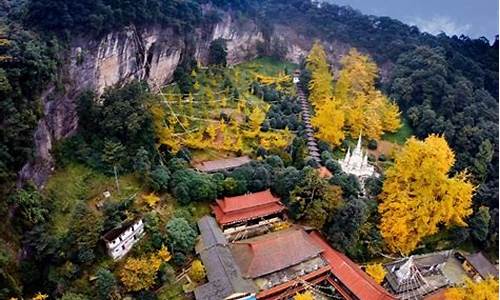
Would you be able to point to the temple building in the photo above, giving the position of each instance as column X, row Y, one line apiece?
column 248, row 214
column 278, row 265
column 226, row 164
column 356, row 163
column 425, row 276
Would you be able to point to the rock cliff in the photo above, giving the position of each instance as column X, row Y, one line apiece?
column 150, row 54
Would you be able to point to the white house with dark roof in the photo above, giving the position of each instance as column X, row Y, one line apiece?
column 120, row 240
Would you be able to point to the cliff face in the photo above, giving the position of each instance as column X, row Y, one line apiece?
column 150, row 54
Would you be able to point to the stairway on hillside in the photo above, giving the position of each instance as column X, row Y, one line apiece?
column 312, row 143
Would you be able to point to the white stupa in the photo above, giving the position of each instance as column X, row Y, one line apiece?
column 357, row 162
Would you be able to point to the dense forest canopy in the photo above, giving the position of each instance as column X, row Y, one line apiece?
column 442, row 85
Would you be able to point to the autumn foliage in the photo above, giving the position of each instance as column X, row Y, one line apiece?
column 197, row 271
column 418, row 195
column 376, row 271
column 304, row 296
column 140, row 273
column 354, row 106
column 482, row 290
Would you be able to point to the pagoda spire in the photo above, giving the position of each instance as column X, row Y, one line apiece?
column 358, row 146
column 348, row 155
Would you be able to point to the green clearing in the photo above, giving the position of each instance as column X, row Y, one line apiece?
column 268, row 66
column 399, row 137
column 75, row 183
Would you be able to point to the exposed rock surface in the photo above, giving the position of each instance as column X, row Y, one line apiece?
column 150, row 54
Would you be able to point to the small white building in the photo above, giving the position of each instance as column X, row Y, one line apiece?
column 120, row 240
column 356, row 163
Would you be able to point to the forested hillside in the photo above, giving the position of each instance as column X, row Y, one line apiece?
column 137, row 140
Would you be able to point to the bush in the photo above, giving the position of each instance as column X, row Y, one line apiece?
column 333, row 166
column 105, row 284
column 197, row 271
column 372, row 145
column 181, row 193
column 325, row 156
column 176, row 164
column 312, row 162
column 181, row 235
column 274, row 161
column 158, row 179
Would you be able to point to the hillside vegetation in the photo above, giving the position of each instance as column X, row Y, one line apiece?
column 430, row 122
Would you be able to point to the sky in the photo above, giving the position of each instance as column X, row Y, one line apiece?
column 474, row 18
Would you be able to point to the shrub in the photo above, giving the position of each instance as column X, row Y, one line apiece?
column 158, row 179
column 372, row 145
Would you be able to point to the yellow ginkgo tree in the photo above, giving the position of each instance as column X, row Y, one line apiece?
column 418, row 196
column 376, row 271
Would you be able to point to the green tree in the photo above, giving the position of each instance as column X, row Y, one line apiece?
column 181, row 235
column 343, row 232
column 114, row 155
column 105, row 284
column 479, row 223
column 158, row 179
column 142, row 162
column 85, row 232
column 217, row 52
column 482, row 160
column 30, row 206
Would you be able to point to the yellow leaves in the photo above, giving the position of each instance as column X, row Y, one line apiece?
column 359, row 107
column 256, row 118
column 276, row 139
column 151, row 200
column 40, row 296
column 329, row 121
column 140, row 273
column 164, row 254
column 320, row 86
column 367, row 109
column 482, row 290
column 418, row 196
column 212, row 131
column 307, row 295
column 376, row 271
column 197, row 271
column 269, row 80
column 391, row 117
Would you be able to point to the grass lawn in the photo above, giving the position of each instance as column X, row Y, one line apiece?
column 400, row 136
column 172, row 292
column 268, row 66
column 75, row 183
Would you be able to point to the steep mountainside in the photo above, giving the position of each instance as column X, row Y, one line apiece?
column 150, row 53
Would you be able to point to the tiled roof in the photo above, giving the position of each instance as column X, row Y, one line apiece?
column 357, row 281
column 273, row 252
column 482, row 265
column 222, row 164
column 231, row 204
column 246, row 207
column 223, row 274
column 116, row 232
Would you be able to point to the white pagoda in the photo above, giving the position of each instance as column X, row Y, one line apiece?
column 356, row 163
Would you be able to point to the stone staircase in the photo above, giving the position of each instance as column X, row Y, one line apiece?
column 312, row 143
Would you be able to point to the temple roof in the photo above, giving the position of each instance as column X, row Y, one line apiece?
column 357, row 281
column 482, row 265
column 246, row 207
column 223, row 274
column 222, row 164
column 273, row 252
